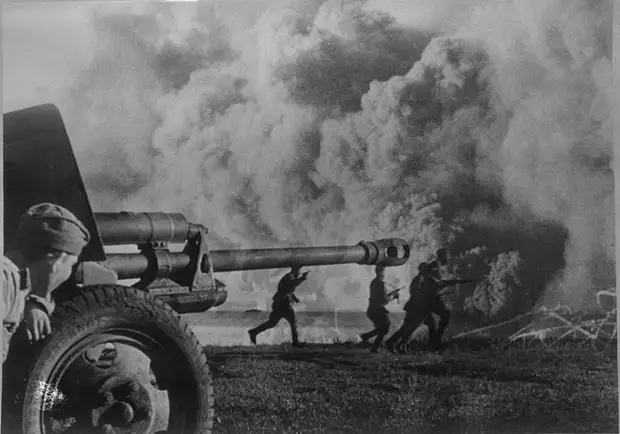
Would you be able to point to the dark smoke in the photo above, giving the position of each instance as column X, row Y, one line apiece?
column 326, row 123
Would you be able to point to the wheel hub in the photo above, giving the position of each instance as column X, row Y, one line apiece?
column 125, row 406
column 118, row 376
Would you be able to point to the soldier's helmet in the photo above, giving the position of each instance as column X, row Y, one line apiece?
column 423, row 267
column 379, row 269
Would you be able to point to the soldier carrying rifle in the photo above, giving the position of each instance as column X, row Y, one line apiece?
column 282, row 306
column 376, row 311
column 426, row 291
column 411, row 322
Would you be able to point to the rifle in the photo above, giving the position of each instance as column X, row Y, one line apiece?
column 395, row 291
column 454, row 282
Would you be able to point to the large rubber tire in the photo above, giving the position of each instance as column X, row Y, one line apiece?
column 107, row 307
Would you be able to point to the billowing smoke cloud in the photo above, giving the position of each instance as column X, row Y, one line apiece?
column 328, row 122
column 553, row 73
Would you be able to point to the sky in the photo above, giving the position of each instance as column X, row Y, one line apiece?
column 462, row 122
column 39, row 38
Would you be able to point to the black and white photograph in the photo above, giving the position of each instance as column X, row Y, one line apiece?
column 308, row 216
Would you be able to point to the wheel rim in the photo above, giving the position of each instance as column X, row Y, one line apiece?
column 126, row 396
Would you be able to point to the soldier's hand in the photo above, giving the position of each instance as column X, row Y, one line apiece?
column 37, row 322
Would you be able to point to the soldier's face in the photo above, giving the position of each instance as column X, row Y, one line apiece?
column 64, row 268
column 54, row 270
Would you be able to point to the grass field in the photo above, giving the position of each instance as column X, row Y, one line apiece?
column 475, row 386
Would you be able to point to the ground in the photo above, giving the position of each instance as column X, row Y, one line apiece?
column 473, row 387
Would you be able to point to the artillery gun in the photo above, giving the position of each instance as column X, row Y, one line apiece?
column 120, row 358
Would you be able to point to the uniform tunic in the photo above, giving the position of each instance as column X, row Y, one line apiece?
column 377, row 312
column 282, row 306
column 15, row 289
column 284, row 296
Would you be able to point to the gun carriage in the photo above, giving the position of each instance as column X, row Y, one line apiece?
column 120, row 358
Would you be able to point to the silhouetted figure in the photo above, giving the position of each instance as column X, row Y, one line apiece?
column 435, row 303
column 413, row 311
column 425, row 300
column 376, row 311
column 282, row 306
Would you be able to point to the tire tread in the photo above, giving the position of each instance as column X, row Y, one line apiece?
column 80, row 312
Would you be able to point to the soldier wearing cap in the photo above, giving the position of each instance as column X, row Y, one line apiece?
column 376, row 311
column 49, row 239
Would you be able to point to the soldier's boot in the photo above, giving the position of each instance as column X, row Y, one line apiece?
column 377, row 344
column 391, row 343
column 367, row 336
column 395, row 340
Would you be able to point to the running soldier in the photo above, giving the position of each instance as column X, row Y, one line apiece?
column 424, row 301
column 412, row 311
column 376, row 311
column 282, row 306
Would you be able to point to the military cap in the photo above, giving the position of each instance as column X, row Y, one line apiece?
column 53, row 227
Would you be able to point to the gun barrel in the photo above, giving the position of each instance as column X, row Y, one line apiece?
column 454, row 282
column 139, row 228
column 386, row 252
column 231, row 260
